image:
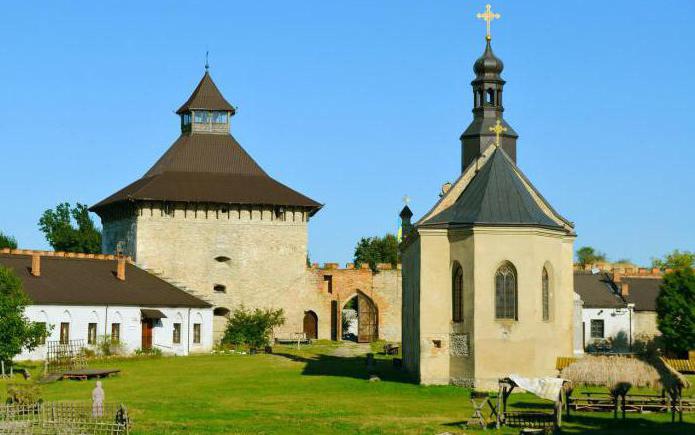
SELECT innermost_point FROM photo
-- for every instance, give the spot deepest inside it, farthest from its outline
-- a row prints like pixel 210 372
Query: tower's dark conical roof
pixel 208 168
pixel 206 96
pixel 488 65
pixel 497 195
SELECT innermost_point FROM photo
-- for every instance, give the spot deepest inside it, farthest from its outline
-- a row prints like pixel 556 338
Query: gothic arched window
pixel 457 293
pixel 545 285
pixel 506 292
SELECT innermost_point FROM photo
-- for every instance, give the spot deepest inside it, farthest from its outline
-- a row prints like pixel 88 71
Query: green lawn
pixel 306 391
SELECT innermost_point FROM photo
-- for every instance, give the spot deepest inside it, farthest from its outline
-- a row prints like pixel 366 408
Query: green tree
pixel 71 229
pixel 586 255
pixel 675 310
pixel 16 331
pixel 7 241
pixel 675 260
pixel 374 250
pixel 252 328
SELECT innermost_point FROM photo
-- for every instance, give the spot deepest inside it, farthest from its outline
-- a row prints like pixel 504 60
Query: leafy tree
pixel 71 229
pixel 252 328
pixel 7 241
pixel 675 260
pixel 16 331
pixel 374 250
pixel 675 310
pixel 587 255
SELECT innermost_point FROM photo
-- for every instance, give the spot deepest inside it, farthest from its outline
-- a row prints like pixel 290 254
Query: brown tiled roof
pixel 643 292
pixel 597 290
pixel 209 168
pixel 206 96
pixel 83 281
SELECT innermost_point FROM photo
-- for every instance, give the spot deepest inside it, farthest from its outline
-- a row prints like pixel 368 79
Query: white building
pixel 606 317
pixel 97 297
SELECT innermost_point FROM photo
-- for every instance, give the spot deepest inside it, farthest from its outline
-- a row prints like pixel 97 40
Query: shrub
pixel 252 328
pixel 108 347
pixel 154 352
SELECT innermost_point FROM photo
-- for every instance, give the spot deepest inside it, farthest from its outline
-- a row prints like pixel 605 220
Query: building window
pixel 177 333
pixel 457 293
pixel 196 333
pixel 219 117
pixel 92 333
pixel 597 328
pixel 64 333
pixel 219 288
pixel 545 294
pixel 506 292
pixel 201 117
pixel 42 339
pixel 186 118
pixel 115 333
pixel 490 96
pixel 328 280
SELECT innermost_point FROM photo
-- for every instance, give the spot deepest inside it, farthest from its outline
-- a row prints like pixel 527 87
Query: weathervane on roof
pixel 498 130
pixel 207 64
pixel 488 16
pixel 406 199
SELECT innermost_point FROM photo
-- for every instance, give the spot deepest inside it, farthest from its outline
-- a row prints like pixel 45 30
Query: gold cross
pixel 498 130
pixel 488 16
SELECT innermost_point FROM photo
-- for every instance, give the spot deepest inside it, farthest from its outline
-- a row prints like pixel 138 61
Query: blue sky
pixel 356 103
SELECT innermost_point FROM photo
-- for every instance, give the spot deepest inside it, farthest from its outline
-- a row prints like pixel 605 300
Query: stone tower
pixel 208 218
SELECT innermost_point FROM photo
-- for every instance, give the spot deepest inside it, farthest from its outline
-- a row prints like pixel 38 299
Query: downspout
pixel 106 321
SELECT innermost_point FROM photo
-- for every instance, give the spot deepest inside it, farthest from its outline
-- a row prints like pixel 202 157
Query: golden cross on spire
pixel 498 130
pixel 488 16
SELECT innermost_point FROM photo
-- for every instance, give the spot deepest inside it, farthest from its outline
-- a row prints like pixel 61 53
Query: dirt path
pixel 349 349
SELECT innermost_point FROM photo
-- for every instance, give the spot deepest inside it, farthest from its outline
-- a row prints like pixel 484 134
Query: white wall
pixel 129 317
pixel 615 321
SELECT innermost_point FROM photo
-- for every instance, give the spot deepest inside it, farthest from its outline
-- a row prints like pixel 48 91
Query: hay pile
pixel 620 373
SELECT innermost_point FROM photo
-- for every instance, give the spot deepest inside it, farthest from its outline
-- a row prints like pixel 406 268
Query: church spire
pixel 206 110
pixel 487 103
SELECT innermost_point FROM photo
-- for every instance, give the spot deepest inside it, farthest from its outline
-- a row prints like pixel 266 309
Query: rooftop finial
pixel 207 63
pixel 488 16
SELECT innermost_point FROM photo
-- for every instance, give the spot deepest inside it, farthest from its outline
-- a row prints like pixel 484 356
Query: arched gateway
pixel 311 325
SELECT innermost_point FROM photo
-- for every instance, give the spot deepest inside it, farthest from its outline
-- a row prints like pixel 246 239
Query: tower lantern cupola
pixel 206 110
pixel 487 104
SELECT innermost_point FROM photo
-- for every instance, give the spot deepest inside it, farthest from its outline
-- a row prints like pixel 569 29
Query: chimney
pixel 36 265
pixel 624 289
pixel 120 268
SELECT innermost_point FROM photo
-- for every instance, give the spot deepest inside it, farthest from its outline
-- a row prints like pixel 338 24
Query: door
pixel 147 325
pixel 367 321
pixel 311 325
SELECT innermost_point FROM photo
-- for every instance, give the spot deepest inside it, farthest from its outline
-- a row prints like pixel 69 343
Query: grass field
pixel 305 391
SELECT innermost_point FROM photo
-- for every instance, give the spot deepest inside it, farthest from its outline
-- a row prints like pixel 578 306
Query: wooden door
pixel 147 325
pixel 311 325
pixel 367 321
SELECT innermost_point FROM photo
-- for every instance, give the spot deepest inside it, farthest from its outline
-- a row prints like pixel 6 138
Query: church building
pixel 487 271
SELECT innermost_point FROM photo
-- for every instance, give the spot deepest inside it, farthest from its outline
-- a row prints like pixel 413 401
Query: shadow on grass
pixel 349 367
pixel 604 423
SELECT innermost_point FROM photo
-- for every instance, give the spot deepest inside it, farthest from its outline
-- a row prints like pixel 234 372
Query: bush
pixel 252 328
pixel 154 352
pixel 108 347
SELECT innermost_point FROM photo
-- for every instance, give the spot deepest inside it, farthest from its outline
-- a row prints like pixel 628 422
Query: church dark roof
pixel 208 167
pixel 84 281
pixel 496 195
pixel 488 66
pixel 206 96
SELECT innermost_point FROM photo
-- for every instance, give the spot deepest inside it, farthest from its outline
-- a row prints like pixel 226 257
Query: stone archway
pixel 367 317
pixel 311 325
